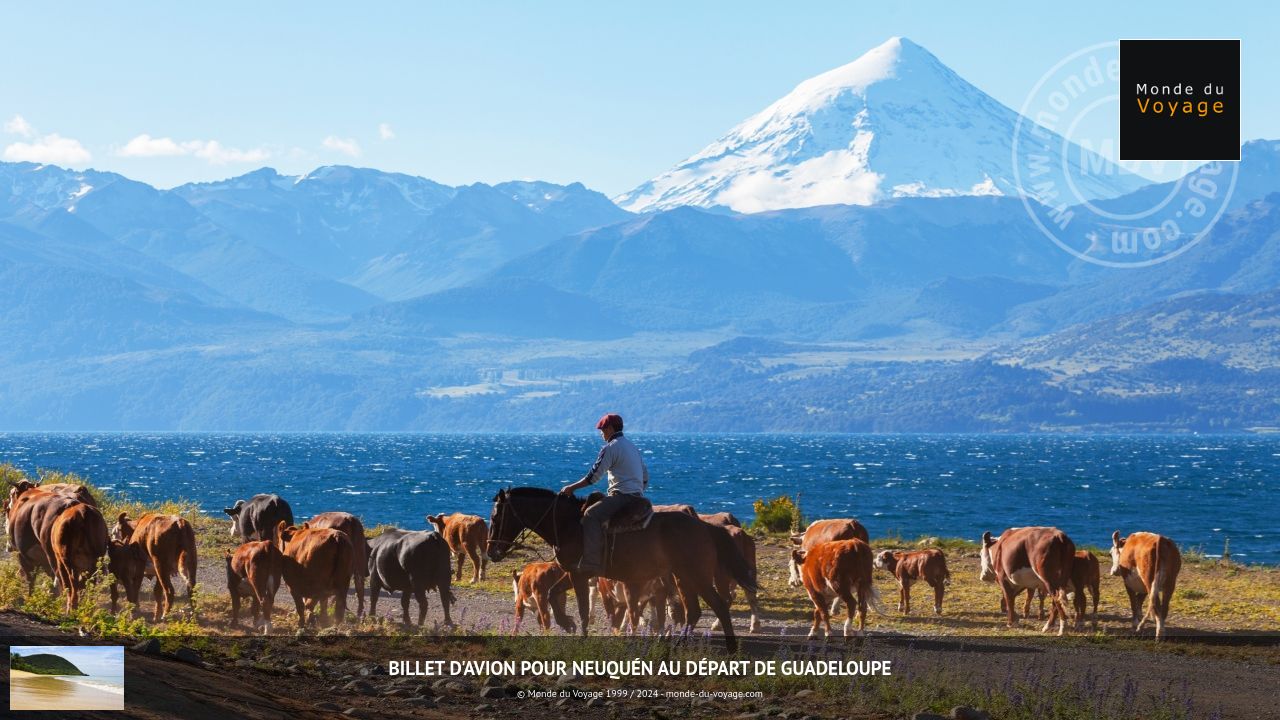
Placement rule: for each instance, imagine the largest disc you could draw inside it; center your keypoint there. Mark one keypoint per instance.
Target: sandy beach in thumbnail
(28, 691)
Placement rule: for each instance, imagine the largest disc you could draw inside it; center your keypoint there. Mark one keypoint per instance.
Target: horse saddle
(636, 517)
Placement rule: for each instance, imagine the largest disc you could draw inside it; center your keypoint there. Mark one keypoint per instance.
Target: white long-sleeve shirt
(622, 461)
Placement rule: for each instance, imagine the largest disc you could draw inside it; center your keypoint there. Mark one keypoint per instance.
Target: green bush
(779, 515)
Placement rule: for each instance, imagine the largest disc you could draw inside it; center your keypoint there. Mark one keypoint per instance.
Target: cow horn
(986, 538)
(1115, 538)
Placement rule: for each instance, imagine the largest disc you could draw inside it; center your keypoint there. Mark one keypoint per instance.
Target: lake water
(1198, 490)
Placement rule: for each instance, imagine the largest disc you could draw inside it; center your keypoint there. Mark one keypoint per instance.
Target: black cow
(411, 563)
(257, 518)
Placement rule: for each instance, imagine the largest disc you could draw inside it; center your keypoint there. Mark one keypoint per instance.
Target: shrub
(779, 515)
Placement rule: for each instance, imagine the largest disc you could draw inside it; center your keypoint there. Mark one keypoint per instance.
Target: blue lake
(1198, 490)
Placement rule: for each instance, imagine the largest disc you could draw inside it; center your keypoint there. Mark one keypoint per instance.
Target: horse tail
(730, 557)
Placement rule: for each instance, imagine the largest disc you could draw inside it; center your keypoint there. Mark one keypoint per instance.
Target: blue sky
(91, 660)
(608, 94)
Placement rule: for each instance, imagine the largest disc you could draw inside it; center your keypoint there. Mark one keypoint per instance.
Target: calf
(542, 587)
(316, 565)
(613, 601)
(1149, 564)
(820, 531)
(254, 571)
(169, 544)
(127, 563)
(837, 570)
(410, 563)
(77, 540)
(1030, 557)
(911, 567)
(1084, 576)
(466, 535)
(351, 525)
(624, 603)
(257, 518)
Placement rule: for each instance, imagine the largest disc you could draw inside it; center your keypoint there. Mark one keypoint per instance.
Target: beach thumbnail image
(66, 677)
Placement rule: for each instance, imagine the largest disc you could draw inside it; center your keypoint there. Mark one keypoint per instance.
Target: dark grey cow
(257, 518)
(410, 562)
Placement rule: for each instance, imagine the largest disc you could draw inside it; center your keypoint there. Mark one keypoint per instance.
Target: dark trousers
(593, 524)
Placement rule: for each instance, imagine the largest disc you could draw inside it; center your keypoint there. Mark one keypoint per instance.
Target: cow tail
(187, 553)
(1157, 588)
(873, 598)
(730, 557)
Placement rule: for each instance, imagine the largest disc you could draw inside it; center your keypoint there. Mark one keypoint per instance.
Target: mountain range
(885, 278)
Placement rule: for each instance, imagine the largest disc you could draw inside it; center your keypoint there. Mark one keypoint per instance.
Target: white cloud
(211, 151)
(146, 146)
(346, 146)
(52, 148)
(19, 126)
(385, 132)
(216, 154)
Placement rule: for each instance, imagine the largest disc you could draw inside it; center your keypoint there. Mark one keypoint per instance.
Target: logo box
(1180, 100)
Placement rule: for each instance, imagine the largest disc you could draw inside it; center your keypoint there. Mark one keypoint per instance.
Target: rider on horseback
(628, 479)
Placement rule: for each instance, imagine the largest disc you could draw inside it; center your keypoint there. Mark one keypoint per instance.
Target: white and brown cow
(911, 567)
(838, 570)
(820, 531)
(1149, 564)
(1030, 557)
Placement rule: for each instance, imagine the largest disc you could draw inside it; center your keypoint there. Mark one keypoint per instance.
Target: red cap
(612, 420)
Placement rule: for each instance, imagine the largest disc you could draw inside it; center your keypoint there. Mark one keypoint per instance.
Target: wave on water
(109, 684)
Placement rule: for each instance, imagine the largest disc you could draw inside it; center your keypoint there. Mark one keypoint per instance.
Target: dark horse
(674, 543)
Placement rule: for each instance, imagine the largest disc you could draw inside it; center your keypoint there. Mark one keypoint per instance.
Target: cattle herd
(59, 529)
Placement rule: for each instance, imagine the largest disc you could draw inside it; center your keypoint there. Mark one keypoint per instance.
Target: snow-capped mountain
(896, 122)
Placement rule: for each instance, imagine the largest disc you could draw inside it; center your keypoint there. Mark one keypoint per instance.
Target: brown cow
(1030, 557)
(77, 541)
(910, 567)
(351, 525)
(542, 587)
(466, 535)
(837, 570)
(1149, 564)
(685, 508)
(316, 565)
(71, 490)
(722, 519)
(169, 544)
(29, 523)
(1084, 577)
(25, 491)
(254, 571)
(820, 531)
(724, 582)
